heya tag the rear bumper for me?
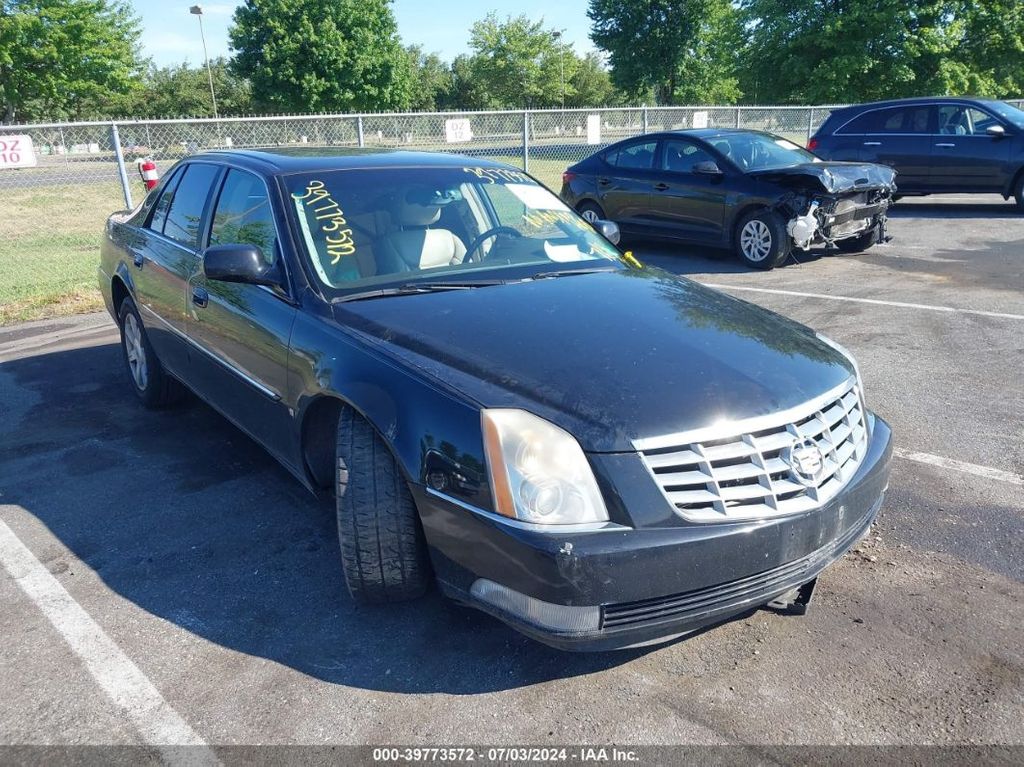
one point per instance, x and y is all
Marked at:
(646, 585)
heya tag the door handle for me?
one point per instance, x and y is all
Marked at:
(872, 143)
(661, 187)
(603, 181)
(200, 297)
(947, 145)
(138, 259)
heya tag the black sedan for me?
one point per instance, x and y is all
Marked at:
(757, 193)
(943, 144)
(600, 454)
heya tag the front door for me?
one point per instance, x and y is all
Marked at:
(965, 158)
(241, 332)
(686, 203)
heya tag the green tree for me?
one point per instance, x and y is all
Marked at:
(466, 92)
(827, 51)
(591, 85)
(431, 81)
(63, 59)
(182, 90)
(685, 50)
(518, 62)
(321, 55)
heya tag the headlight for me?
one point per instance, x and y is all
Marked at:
(856, 368)
(538, 471)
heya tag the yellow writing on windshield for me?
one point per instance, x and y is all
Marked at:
(325, 210)
(494, 175)
(539, 219)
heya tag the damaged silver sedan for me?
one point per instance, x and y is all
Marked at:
(759, 194)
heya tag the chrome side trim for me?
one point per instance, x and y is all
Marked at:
(258, 385)
(745, 426)
(588, 527)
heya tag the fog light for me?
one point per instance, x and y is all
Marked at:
(543, 614)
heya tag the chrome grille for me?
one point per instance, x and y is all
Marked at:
(739, 470)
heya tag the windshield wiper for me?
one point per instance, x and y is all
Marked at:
(564, 272)
(411, 288)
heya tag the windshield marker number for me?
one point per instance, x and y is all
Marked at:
(329, 212)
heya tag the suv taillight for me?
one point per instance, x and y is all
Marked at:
(568, 176)
(812, 144)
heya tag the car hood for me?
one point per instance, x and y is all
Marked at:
(832, 177)
(610, 357)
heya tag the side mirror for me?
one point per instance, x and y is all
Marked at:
(609, 230)
(707, 168)
(238, 263)
(996, 131)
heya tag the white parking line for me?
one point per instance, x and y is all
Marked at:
(157, 723)
(878, 302)
(970, 468)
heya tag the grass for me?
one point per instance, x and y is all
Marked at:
(50, 238)
(49, 248)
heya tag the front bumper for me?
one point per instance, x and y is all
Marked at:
(648, 584)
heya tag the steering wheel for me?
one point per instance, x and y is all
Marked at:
(475, 246)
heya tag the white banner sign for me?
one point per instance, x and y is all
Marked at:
(458, 131)
(700, 119)
(17, 152)
(593, 129)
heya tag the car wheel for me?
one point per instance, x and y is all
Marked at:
(590, 211)
(761, 239)
(383, 552)
(1018, 191)
(857, 244)
(154, 387)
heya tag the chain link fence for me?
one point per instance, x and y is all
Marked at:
(52, 214)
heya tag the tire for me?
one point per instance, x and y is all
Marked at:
(155, 388)
(1018, 191)
(590, 211)
(857, 244)
(761, 240)
(383, 552)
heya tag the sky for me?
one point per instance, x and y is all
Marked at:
(170, 34)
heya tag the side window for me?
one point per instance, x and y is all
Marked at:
(861, 124)
(910, 119)
(156, 223)
(634, 156)
(243, 214)
(959, 120)
(681, 156)
(186, 212)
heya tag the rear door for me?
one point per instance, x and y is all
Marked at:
(965, 158)
(684, 203)
(241, 332)
(625, 182)
(167, 255)
(899, 137)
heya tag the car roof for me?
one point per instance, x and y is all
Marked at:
(910, 102)
(702, 133)
(281, 160)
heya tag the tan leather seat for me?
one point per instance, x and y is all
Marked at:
(415, 245)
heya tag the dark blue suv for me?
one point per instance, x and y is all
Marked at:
(936, 144)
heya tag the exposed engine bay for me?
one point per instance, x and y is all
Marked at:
(831, 202)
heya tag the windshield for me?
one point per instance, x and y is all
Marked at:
(759, 151)
(1011, 114)
(371, 228)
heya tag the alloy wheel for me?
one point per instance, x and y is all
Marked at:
(756, 240)
(135, 351)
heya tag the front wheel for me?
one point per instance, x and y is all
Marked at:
(761, 240)
(857, 244)
(1018, 191)
(383, 552)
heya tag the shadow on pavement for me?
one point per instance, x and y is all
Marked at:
(183, 515)
(686, 259)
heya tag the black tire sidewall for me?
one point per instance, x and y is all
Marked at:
(781, 244)
(857, 244)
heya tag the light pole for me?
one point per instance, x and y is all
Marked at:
(557, 35)
(197, 10)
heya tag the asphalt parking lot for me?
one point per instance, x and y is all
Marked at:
(205, 588)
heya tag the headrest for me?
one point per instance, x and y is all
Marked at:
(416, 214)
